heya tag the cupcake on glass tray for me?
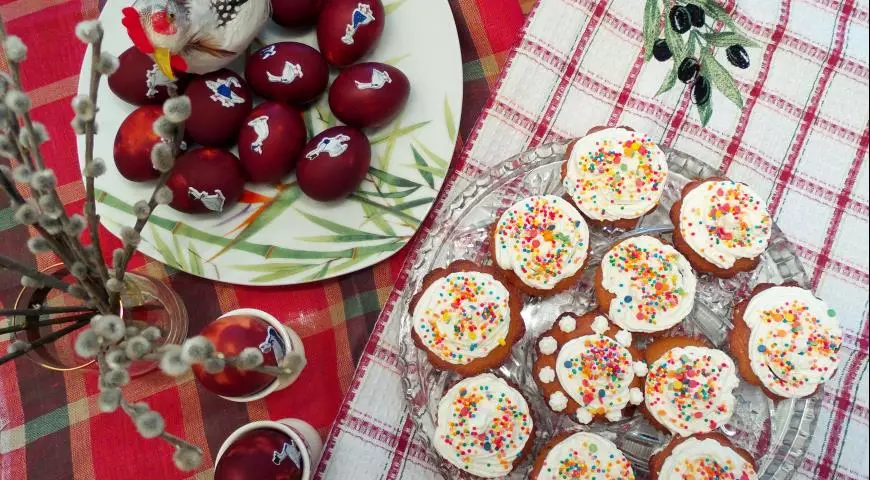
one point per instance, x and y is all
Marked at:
(541, 243)
(466, 318)
(721, 226)
(589, 369)
(581, 456)
(706, 456)
(785, 340)
(484, 426)
(614, 176)
(644, 285)
(689, 388)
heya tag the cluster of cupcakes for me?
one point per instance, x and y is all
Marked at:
(270, 135)
(628, 354)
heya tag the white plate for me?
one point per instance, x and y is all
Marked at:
(296, 239)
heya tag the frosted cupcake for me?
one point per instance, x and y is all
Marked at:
(542, 244)
(614, 175)
(785, 340)
(721, 226)
(644, 285)
(581, 456)
(484, 426)
(706, 456)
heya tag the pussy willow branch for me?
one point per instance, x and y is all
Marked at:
(51, 337)
(40, 310)
(121, 269)
(46, 323)
(90, 197)
(31, 272)
(9, 187)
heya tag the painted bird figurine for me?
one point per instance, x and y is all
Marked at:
(194, 36)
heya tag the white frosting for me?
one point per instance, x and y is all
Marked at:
(705, 459)
(600, 325)
(640, 368)
(463, 316)
(548, 345)
(584, 416)
(585, 456)
(691, 389)
(623, 337)
(567, 324)
(558, 401)
(723, 221)
(635, 396)
(653, 284)
(795, 340)
(547, 375)
(614, 174)
(543, 240)
(596, 372)
(614, 415)
(483, 425)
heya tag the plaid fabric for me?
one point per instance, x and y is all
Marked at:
(801, 140)
(50, 427)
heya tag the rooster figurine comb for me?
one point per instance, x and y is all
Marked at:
(195, 36)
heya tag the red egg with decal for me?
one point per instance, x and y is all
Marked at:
(230, 335)
(133, 144)
(368, 94)
(288, 72)
(140, 82)
(348, 29)
(206, 180)
(296, 13)
(333, 163)
(220, 101)
(271, 139)
(260, 454)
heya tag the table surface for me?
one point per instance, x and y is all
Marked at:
(50, 426)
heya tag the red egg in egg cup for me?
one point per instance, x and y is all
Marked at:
(248, 327)
(288, 448)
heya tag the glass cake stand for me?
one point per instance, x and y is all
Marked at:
(777, 434)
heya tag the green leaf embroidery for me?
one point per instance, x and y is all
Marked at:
(692, 44)
(394, 60)
(418, 159)
(675, 43)
(163, 248)
(271, 267)
(720, 78)
(395, 211)
(705, 111)
(651, 26)
(281, 274)
(309, 123)
(716, 12)
(372, 215)
(669, 81)
(726, 39)
(352, 237)
(433, 170)
(195, 260)
(448, 120)
(325, 115)
(179, 253)
(319, 273)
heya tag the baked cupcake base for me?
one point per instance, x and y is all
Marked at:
(619, 224)
(699, 263)
(497, 355)
(658, 460)
(740, 342)
(605, 455)
(656, 398)
(566, 328)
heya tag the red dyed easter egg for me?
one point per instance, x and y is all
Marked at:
(271, 139)
(206, 180)
(368, 94)
(296, 13)
(140, 82)
(220, 101)
(348, 29)
(230, 335)
(288, 72)
(133, 144)
(333, 163)
(261, 454)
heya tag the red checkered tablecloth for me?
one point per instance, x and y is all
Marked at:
(50, 427)
(800, 140)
